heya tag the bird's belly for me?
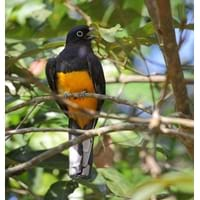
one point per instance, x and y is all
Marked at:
(77, 81)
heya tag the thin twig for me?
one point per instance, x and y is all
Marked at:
(73, 7)
(165, 32)
(177, 132)
(76, 95)
(122, 78)
(163, 23)
(88, 134)
(142, 79)
(53, 151)
(166, 120)
(26, 116)
(137, 120)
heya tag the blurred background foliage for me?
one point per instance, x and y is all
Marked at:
(126, 44)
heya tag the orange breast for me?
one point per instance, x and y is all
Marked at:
(77, 81)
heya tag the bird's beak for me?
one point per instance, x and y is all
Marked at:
(89, 35)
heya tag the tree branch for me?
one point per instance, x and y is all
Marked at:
(136, 120)
(122, 78)
(142, 79)
(88, 134)
(41, 99)
(160, 13)
(73, 7)
(53, 151)
(161, 16)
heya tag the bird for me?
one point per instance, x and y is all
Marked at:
(77, 69)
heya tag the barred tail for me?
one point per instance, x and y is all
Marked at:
(80, 158)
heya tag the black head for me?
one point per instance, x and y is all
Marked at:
(81, 33)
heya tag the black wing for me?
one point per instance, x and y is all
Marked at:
(51, 78)
(51, 73)
(96, 72)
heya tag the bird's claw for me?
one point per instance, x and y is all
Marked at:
(66, 95)
(82, 93)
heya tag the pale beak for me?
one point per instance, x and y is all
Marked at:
(89, 35)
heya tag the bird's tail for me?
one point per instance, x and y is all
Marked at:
(80, 158)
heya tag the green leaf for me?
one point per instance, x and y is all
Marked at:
(61, 190)
(42, 181)
(147, 191)
(35, 51)
(146, 30)
(96, 183)
(26, 11)
(180, 181)
(14, 183)
(136, 8)
(110, 35)
(40, 141)
(116, 182)
(126, 138)
(177, 181)
(59, 11)
(23, 154)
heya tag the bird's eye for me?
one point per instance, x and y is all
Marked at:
(79, 33)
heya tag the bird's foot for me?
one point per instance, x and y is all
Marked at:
(82, 93)
(66, 95)
(79, 95)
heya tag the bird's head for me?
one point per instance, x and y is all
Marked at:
(79, 34)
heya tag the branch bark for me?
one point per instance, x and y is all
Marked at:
(165, 120)
(139, 122)
(142, 79)
(136, 120)
(87, 134)
(41, 99)
(160, 13)
(73, 7)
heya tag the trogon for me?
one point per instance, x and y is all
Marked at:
(78, 69)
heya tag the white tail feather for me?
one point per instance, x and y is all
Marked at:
(79, 158)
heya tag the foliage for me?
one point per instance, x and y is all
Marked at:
(35, 31)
